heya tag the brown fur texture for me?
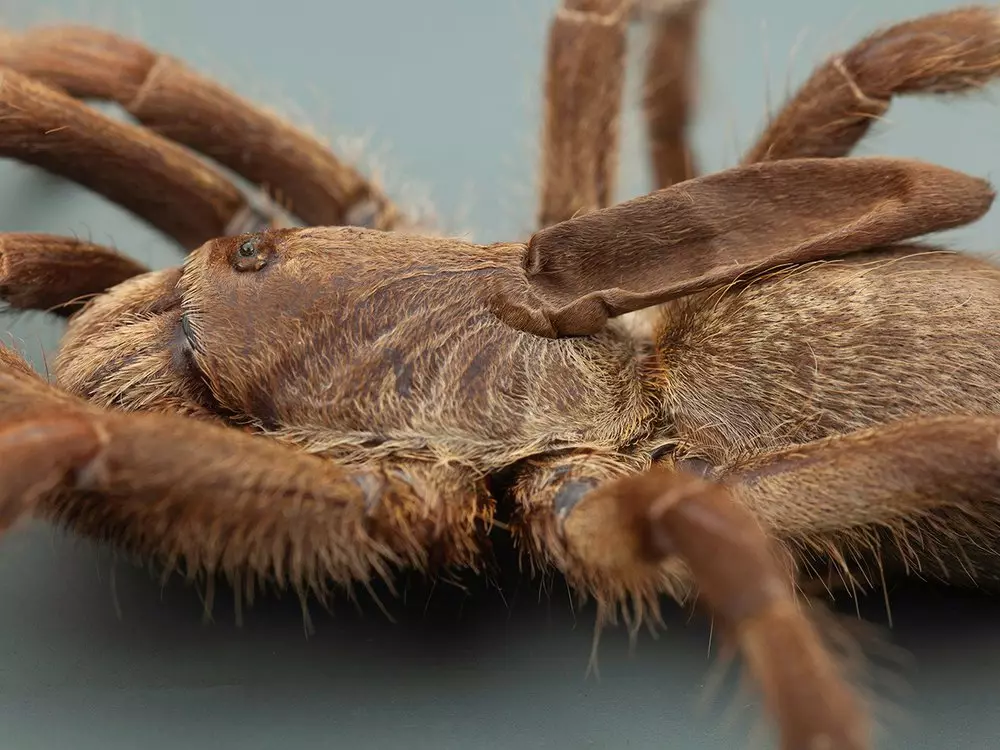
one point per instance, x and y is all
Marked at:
(223, 502)
(316, 407)
(944, 53)
(669, 88)
(58, 274)
(832, 347)
(710, 231)
(179, 104)
(585, 75)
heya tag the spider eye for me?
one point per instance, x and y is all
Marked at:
(250, 255)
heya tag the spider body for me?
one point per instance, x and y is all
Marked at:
(708, 391)
(360, 345)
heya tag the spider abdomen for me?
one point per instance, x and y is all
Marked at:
(830, 348)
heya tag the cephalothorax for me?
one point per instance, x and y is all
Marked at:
(680, 393)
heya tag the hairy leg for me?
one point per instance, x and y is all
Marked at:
(951, 52)
(669, 87)
(58, 274)
(170, 99)
(160, 182)
(215, 500)
(585, 72)
(546, 492)
(628, 537)
(933, 485)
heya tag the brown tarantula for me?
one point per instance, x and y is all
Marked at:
(695, 392)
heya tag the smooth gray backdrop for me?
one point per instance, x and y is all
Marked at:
(444, 94)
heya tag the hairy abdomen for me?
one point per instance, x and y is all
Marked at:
(830, 348)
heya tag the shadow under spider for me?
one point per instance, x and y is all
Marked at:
(449, 617)
(107, 634)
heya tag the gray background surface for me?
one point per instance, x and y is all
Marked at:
(445, 93)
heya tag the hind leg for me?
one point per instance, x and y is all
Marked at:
(923, 490)
(669, 87)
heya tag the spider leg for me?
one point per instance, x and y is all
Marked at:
(950, 52)
(50, 446)
(585, 72)
(220, 501)
(160, 182)
(830, 495)
(58, 274)
(182, 105)
(669, 87)
(35, 454)
(545, 492)
(619, 537)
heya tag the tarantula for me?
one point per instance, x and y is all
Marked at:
(696, 392)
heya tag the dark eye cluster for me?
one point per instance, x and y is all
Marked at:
(250, 255)
(247, 249)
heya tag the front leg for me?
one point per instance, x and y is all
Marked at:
(58, 274)
(220, 501)
(176, 103)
